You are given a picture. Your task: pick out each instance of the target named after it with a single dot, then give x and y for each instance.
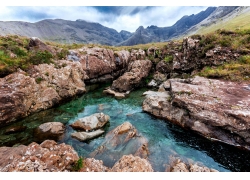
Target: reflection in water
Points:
(164, 138)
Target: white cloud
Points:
(160, 16)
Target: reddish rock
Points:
(100, 64)
(93, 165)
(218, 110)
(137, 54)
(36, 44)
(46, 157)
(42, 87)
(137, 70)
(130, 163)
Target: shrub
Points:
(41, 57)
(168, 59)
(39, 80)
(78, 165)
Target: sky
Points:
(119, 16)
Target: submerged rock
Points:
(50, 130)
(94, 121)
(218, 110)
(46, 157)
(84, 136)
(123, 140)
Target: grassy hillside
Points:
(239, 22)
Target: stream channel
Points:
(164, 139)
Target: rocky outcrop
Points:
(46, 157)
(50, 130)
(100, 64)
(92, 122)
(195, 56)
(218, 110)
(84, 136)
(44, 86)
(117, 95)
(158, 79)
(125, 138)
(36, 44)
(130, 163)
(137, 70)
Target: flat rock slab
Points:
(84, 136)
(117, 95)
(218, 110)
(89, 123)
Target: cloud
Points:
(117, 17)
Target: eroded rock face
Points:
(100, 64)
(94, 121)
(41, 88)
(130, 163)
(218, 110)
(125, 138)
(137, 70)
(46, 157)
(193, 56)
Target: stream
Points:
(164, 139)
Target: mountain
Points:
(64, 31)
(81, 31)
(158, 34)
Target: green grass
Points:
(239, 22)
(238, 70)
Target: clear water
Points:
(164, 138)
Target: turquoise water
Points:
(164, 138)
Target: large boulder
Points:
(46, 157)
(92, 122)
(100, 64)
(36, 44)
(130, 163)
(44, 86)
(218, 110)
(123, 140)
(177, 165)
(137, 70)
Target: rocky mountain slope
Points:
(158, 34)
(64, 31)
(228, 17)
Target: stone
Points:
(46, 157)
(49, 130)
(92, 122)
(84, 136)
(124, 137)
(130, 163)
(93, 165)
(218, 110)
(137, 70)
(44, 86)
(117, 95)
